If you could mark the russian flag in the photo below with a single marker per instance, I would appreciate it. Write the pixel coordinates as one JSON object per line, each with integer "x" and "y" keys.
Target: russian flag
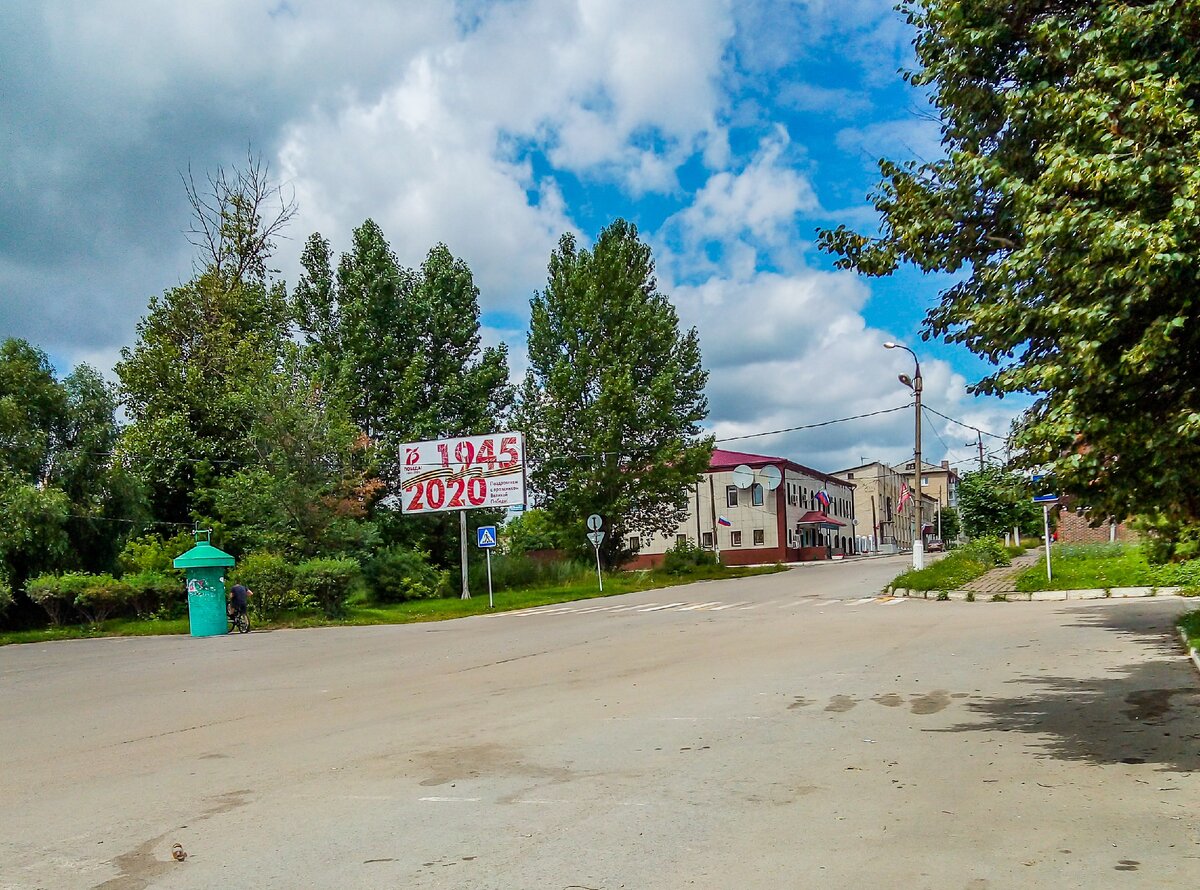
{"x": 823, "y": 498}
{"x": 721, "y": 520}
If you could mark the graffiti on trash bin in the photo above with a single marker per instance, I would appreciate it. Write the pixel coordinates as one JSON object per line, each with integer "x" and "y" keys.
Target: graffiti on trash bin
{"x": 200, "y": 587}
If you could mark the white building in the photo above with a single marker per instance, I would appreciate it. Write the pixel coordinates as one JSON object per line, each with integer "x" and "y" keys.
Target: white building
{"x": 757, "y": 509}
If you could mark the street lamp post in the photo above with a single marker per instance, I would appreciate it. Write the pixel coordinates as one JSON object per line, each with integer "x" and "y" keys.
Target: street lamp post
{"x": 915, "y": 384}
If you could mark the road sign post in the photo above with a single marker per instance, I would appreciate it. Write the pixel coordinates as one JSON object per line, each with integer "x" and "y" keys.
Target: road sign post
{"x": 596, "y": 536}
{"x": 1046, "y": 500}
{"x": 485, "y": 538}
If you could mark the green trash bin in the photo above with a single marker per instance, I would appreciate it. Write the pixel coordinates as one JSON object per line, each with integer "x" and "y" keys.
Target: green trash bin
{"x": 205, "y": 567}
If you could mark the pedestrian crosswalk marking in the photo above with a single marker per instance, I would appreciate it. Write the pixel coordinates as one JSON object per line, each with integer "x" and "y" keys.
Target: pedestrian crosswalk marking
{"x": 707, "y": 606}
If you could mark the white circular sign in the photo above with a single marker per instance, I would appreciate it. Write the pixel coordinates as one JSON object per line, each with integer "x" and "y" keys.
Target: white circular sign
{"x": 595, "y": 522}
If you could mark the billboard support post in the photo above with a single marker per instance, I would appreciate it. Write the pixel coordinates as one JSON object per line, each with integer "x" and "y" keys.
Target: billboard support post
{"x": 462, "y": 546}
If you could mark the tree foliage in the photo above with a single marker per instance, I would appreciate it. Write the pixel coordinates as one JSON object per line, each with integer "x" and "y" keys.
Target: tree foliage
{"x": 992, "y": 502}
{"x": 1068, "y": 207}
{"x": 614, "y": 395}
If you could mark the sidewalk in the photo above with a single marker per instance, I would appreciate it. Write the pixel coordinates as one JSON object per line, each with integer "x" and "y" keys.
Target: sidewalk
{"x": 1004, "y": 578}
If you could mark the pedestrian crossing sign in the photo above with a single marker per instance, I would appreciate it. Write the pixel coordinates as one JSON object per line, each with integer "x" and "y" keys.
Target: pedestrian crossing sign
{"x": 485, "y": 536}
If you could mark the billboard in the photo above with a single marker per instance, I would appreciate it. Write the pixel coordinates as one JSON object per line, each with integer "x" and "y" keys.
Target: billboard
{"x": 466, "y": 473}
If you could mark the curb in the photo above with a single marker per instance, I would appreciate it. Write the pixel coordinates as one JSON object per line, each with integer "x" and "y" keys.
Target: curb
{"x": 1042, "y": 596}
{"x": 1194, "y": 653}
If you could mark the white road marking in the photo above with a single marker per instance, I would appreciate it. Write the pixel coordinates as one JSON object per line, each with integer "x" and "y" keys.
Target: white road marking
{"x": 628, "y": 608}
{"x": 660, "y": 608}
{"x": 895, "y": 602}
{"x": 692, "y": 607}
{"x": 451, "y": 800}
{"x": 729, "y": 606}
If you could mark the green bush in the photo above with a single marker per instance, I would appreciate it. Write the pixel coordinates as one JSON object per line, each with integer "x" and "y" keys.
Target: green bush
{"x": 327, "y": 583}
{"x": 990, "y": 550}
{"x": 513, "y": 571}
{"x": 398, "y": 573}
{"x": 6, "y": 594}
{"x": 55, "y": 595}
{"x": 155, "y": 593}
{"x": 153, "y": 553}
{"x": 685, "y": 557}
{"x": 101, "y": 596}
{"x": 273, "y": 580}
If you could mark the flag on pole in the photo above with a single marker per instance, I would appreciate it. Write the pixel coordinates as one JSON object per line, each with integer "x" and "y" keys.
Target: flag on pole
{"x": 823, "y": 498}
{"x": 721, "y": 520}
{"x": 905, "y": 497}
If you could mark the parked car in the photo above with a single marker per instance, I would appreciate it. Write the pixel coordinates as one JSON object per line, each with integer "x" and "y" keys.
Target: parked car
{"x": 935, "y": 545}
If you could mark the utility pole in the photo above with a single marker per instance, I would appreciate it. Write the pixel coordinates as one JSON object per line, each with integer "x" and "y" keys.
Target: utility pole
{"x": 979, "y": 442}
{"x": 916, "y": 384}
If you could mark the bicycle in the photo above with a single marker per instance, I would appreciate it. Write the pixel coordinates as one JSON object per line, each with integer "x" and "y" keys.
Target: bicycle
{"x": 239, "y": 620}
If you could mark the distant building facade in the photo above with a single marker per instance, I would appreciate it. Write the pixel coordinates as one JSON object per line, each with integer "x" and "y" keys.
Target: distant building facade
{"x": 749, "y": 522}
{"x": 884, "y": 525}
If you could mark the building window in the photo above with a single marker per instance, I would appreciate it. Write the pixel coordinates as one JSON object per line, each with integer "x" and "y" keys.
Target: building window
{"x": 925, "y": 481}
{"x": 706, "y": 541}
{"x": 759, "y": 537}
{"x": 791, "y": 538}
{"x": 849, "y": 475}
{"x": 756, "y": 495}
{"x": 681, "y": 540}
{"x": 735, "y": 539}
{"x": 731, "y": 495}
{"x": 635, "y": 543}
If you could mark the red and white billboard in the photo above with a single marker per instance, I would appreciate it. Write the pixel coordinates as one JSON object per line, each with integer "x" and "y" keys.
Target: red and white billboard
{"x": 467, "y": 473}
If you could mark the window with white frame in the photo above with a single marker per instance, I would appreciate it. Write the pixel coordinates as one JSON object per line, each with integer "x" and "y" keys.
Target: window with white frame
{"x": 706, "y": 541}
{"x": 681, "y": 540}
{"x": 756, "y": 495}
{"x": 760, "y": 537}
{"x": 635, "y": 543}
{"x": 735, "y": 539}
{"x": 731, "y": 499}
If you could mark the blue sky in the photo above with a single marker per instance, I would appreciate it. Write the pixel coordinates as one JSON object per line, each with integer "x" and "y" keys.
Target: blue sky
{"x": 728, "y": 131}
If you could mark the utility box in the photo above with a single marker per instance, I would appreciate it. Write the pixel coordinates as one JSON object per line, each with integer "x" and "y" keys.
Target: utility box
{"x": 205, "y": 567}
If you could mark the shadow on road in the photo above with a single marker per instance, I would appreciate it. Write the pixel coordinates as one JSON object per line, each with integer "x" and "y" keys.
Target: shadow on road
{"x": 1147, "y": 711}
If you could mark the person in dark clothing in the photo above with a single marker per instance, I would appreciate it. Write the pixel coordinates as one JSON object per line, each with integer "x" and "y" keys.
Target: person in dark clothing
{"x": 239, "y": 598}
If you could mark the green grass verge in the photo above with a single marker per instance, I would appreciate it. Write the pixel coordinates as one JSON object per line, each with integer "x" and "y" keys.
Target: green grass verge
{"x": 1098, "y": 566}
{"x": 360, "y": 614}
{"x": 950, "y": 572}
{"x": 1191, "y": 628}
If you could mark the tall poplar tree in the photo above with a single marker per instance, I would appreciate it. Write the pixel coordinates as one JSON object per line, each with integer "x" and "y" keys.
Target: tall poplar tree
{"x": 614, "y": 396}
{"x": 402, "y": 347}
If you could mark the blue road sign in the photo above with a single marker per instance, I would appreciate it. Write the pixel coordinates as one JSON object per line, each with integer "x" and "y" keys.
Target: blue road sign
{"x": 1045, "y": 499}
{"x": 485, "y": 536}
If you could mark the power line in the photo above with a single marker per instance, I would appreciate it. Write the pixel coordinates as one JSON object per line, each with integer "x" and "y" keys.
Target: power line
{"x": 967, "y": 425}
{"x": 812, "y": 426}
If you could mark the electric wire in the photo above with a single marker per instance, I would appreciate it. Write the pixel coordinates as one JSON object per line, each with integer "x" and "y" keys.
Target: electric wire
{"x": 813, "y": 426}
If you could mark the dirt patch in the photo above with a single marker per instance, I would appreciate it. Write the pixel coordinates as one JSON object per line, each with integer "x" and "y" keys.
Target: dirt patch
{"x": 930, "y": 702}
{"x": 890, "y": 700}
{"x": 840, "y": 703}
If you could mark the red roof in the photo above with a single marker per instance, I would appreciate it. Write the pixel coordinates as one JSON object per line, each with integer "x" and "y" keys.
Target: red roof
{"x": 722, "y": 459}
{"x": 727, "y": 460}
{"x": 816, "y": 517}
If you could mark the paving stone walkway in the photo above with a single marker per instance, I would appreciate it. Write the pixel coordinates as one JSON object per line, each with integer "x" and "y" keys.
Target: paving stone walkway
{"x": 1004, "y": 578}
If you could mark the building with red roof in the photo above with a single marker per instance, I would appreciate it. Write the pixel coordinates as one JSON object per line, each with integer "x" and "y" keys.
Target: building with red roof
{"x": 755, "y": 508}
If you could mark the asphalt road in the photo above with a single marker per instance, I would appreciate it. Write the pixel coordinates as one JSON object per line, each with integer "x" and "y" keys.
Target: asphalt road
{"x": 786, "y": 731}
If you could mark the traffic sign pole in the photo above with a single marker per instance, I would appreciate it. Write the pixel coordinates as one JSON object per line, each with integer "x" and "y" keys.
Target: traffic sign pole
{"x": 488, "y": 551}
{"x": 599, "y": 577}
{"x": 1046, "y": 525}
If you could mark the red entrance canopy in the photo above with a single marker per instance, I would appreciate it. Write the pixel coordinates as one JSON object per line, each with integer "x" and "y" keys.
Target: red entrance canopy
{"x": 819, "y": 519}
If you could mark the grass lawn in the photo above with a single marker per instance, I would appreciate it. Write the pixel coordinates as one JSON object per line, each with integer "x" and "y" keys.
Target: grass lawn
{"x": 950, "y": 572}
{"x": 1099, "y": 566}
{"x": 1191, "y": 626}
{"x": 363, "y": 613}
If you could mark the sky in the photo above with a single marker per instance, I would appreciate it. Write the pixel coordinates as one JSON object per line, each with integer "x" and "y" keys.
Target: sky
{"x": 728, "y": 131}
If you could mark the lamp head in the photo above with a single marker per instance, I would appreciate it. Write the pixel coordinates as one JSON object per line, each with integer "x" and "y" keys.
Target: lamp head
{"x": 890, "y": 345}
{"x": 906, "y": 380}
